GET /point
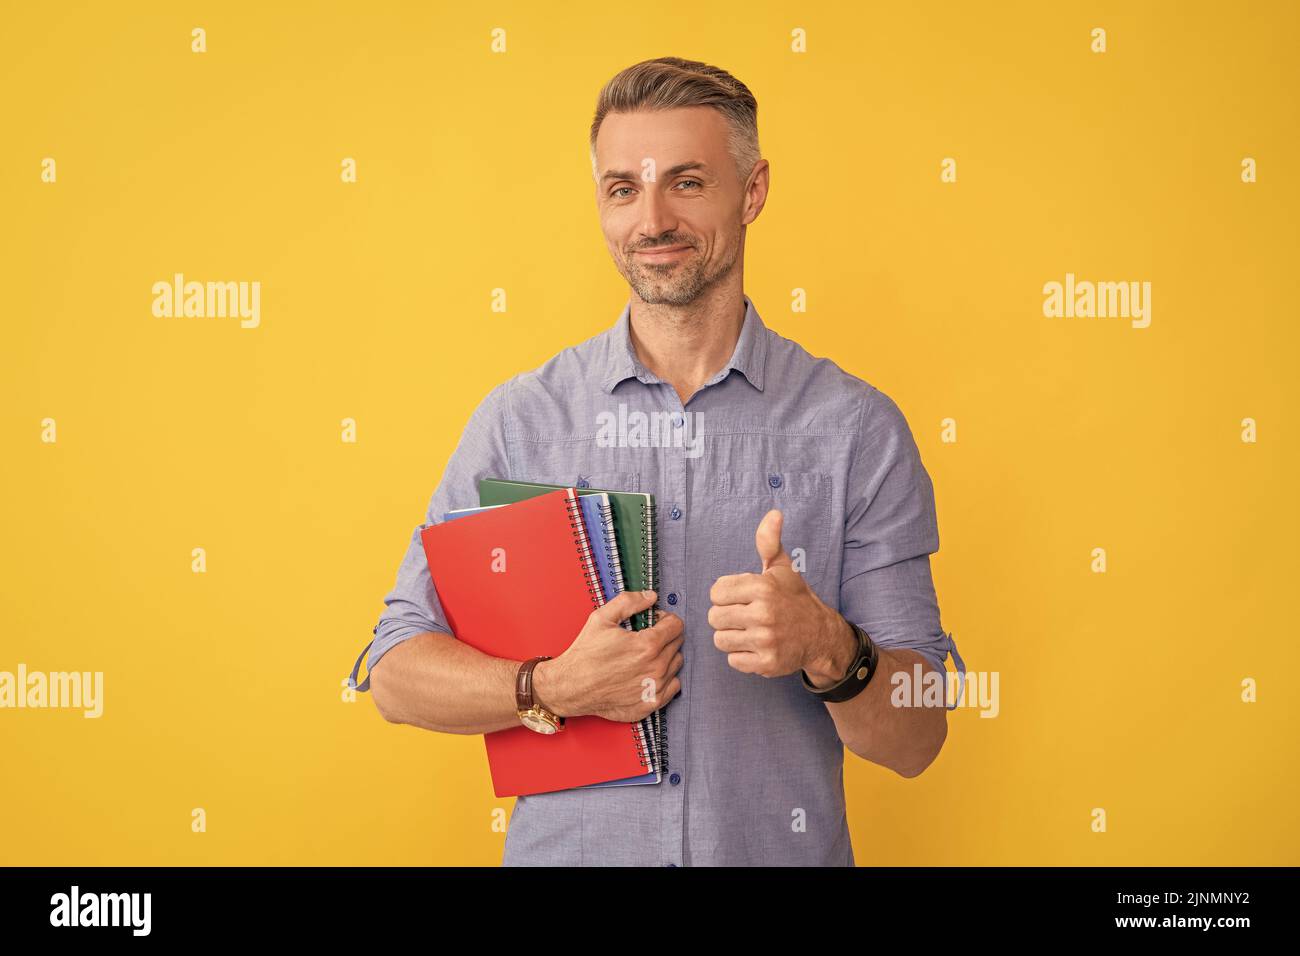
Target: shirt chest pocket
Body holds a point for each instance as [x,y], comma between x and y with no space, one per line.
[736,502]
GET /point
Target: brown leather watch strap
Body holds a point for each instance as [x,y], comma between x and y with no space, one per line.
[524,683]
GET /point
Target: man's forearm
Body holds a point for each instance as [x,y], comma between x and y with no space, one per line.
[904,739]
[434,681]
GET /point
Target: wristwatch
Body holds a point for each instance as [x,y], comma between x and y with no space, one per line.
[858,676]
[532,714]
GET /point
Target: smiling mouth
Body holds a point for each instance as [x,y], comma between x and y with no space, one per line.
[664,252]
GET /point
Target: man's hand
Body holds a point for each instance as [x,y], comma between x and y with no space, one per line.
[611,672]
[773,623]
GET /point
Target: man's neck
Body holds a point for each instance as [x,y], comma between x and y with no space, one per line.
[687,345]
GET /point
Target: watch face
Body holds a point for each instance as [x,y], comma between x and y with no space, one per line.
[533,721]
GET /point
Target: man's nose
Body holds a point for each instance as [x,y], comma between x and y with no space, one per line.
[656,212]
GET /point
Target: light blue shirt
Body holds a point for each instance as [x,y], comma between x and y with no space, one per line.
[755,771]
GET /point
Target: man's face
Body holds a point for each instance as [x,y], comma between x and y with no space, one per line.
[672,235]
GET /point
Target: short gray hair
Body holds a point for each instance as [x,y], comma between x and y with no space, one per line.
[669,82]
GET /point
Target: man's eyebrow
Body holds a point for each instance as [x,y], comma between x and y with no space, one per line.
[616,174]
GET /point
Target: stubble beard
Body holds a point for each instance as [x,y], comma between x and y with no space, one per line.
[679,283]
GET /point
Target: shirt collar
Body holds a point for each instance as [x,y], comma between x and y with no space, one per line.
[748,357]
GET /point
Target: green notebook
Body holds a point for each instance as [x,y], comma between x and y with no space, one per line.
[634,531]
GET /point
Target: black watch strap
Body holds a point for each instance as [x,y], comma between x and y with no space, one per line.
[858,677]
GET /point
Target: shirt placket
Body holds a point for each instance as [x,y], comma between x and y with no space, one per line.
[671,509]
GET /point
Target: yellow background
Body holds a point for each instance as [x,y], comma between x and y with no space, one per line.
[222,690]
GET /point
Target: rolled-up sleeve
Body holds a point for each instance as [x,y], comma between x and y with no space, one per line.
[412,606]
[890,532]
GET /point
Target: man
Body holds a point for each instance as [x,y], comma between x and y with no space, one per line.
[795,523]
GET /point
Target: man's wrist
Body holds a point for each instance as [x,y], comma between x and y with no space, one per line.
[547,691]
[840,650]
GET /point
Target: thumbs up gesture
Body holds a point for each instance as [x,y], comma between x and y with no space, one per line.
[768,541]
[772,623]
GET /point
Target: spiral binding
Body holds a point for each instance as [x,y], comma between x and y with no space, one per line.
[585,555]
[611,553]
[659,718]
[586,558]
[648,553]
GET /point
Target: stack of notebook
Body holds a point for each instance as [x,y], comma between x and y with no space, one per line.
[517,577]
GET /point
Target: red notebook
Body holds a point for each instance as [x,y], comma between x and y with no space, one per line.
[518,582]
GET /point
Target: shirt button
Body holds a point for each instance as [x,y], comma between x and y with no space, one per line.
[583,483]
[675,513]
[672,598]
[675,779]
[678,421]
[774,481]
[670,864]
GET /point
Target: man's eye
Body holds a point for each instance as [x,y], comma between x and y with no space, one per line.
[615,193]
